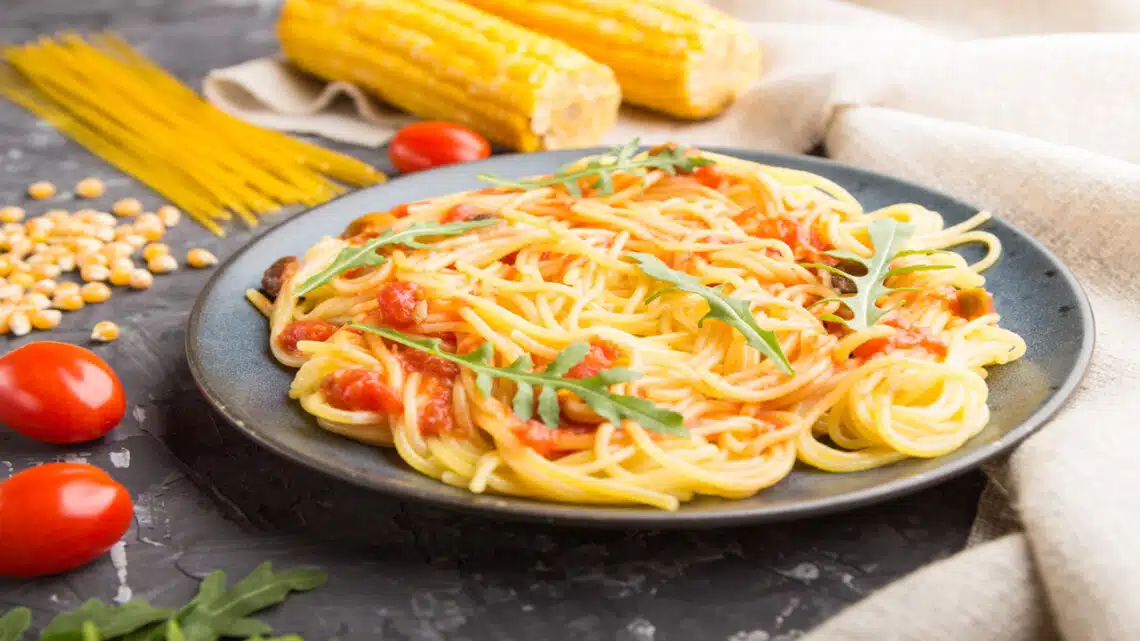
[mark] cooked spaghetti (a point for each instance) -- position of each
(878, 337)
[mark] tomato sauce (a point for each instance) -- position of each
(398, 301)
(305, 330)
(437, 416)
(460, 213)
(902, 339)
(802, 238)
(601, 356)
(360, 389)
(710, 176)
(549, 442)
(415, 360)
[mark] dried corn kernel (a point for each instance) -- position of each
(162, 264)
(66, 263)
(85, 215)
(46, 318)
(136, 241)
(11, 215)
(122, 263)
(85, 259)
(141, 279)
(92, 273)
(122, 231)
(121, 277)
(5, 266)
(45, 270)
(127, 207)
(117, 249)
(11, 293)
(90, 188)
(46, 287)
(68, 302)
(200, 258)
(66, 287)
(13, 229)
(41, 190)
(58, 216)
(87, 245)
(154, 250)
(20, 247)
(22, 278)
(104, 219)
(35, 300)
(104, 331)
(95, 292)
(104, 234)
(150, 227)
(170, 215)
(19, 323)
(5, 313)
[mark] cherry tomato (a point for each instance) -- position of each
(59, 516)
(59, 393)
(424, 145)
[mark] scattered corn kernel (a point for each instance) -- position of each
(11, 293)
(122, 231)
(121, 277)
(85, 215)
(87, 245)
(19, 323)
(162, 264)
(200, 258)
(58, 216)
(127, 207)
(136, 241)
(104, 234)
(46, 287)
(88, 258)
(117, 249)
(90, 188)
(22, 278)
(150, 227)
(170, 215)
(92, 273)
(95, 292)
(68, 302)
(153, 250)
(35, 301)
(5, 266)
(45, 270)
(104, 331)
(5, 314)
(11, 215)
(41, 190)
(104, 219)
(141, 279)
(20, 247)
(66, 263)
(46, 318)
(66, 287)
(13, 229)
(122, 263)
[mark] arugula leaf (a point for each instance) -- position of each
(888, 237)
(733, 311)
(616, 159)
(14, 623)
(109, 621)
(593, 390)
(216, 612)
(365, 255)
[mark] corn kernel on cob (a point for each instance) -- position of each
(446, 60)
(681, 57)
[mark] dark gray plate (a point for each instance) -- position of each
(1037, 296)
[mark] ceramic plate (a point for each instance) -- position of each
(1037, 297)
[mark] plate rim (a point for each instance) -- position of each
(521, 508)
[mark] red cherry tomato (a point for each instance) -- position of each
(424, 145)
(59, 516)
(59, 393)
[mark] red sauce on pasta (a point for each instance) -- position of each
(360, 389)
(305, 330)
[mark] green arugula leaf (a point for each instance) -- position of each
(109, 621)
(14, 623)
(216, 612)
(888, 237)
(616, 159)
(733, 311)
(365, 255)
(593, 390)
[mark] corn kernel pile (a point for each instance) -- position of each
(37, 253)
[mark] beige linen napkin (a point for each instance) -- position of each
(993, 101)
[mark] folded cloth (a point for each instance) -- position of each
(1001, 103)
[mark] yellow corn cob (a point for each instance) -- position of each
(445, 60)
(680, 57)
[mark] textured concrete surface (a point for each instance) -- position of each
(206, 498)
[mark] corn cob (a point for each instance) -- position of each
(445, 60)
(680, 57)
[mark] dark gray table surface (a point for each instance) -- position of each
(206, 498)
